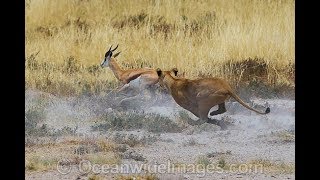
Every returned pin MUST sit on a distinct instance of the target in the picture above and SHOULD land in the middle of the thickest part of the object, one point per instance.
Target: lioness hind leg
(223, 124)
(194, 111)
(221, 109)
(215, 99)
(204, 109)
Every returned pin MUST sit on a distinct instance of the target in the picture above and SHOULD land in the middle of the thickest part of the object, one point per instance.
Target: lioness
(200, 95)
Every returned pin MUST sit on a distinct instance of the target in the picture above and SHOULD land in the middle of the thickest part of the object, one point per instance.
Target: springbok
(140, 77)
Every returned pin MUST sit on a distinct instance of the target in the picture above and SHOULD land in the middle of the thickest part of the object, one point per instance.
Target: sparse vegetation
(272, 167)
(39, 163)
(222, 163)
(46, 156)
(133, 121)
(286, 136)
(257, 166)
(95, 177)
(248, 42)
(37, 132)
(137, 177)
(133, 140)
(215, 154)
(103, 158)
(203, 160)
(133, 155)
(191, 142)
(35, 121)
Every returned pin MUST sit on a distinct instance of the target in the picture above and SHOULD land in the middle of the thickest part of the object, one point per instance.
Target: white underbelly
(136, 83)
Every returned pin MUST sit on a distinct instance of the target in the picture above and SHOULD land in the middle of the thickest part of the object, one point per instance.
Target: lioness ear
(116, 54)
(159, 72)
(175, 71)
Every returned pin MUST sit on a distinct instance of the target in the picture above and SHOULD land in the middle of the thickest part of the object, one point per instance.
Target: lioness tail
(237, 98)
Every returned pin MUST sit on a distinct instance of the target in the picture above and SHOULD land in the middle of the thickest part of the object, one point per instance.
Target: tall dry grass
(240, 40)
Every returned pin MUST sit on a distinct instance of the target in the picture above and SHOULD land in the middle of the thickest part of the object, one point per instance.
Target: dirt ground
(254, 147)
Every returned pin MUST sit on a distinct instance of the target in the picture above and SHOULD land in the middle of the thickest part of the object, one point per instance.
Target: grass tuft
(131, 121)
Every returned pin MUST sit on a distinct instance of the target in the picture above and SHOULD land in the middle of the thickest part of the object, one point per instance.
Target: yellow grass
(44, 157)
(200, 38)
(137, 177)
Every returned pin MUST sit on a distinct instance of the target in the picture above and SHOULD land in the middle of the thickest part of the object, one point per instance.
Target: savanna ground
(73, 113)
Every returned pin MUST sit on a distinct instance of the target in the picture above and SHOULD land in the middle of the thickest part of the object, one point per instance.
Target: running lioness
(200, 95)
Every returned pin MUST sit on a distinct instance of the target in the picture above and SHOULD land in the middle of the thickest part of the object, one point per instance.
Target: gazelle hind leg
(129, 102)
(124, 87)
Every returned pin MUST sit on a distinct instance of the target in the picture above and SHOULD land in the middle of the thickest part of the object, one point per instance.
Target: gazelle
(140, 77)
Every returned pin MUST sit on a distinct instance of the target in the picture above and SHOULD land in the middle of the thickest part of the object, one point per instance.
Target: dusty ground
(255, 147)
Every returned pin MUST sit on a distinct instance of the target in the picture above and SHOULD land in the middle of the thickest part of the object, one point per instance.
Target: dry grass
(241, 40)
(258, 166)
(44, 157)
(285, 136)
(137, 177)
(271, 167)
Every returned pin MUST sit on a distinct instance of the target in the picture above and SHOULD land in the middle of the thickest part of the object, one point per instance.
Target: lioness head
(174, 71)
(162, 74)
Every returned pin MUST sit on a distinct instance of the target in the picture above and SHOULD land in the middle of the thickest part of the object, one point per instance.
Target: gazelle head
(108, 55)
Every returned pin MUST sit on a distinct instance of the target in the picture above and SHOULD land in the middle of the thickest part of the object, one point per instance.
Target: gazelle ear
(159, 72)
(116, 54)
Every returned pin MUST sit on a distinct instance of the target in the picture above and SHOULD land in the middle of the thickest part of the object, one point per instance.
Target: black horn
(110, 48)
(115, 47)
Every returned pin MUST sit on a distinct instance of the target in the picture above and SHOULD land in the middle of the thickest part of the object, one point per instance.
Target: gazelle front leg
(135, 83)
(125, 86)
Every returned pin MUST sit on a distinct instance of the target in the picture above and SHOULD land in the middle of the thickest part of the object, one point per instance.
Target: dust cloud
(81, 112)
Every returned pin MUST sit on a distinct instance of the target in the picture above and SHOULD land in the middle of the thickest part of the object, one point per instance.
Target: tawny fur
(147, 75)
(200, 95)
